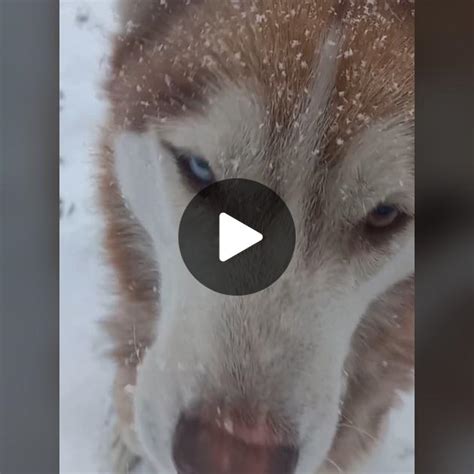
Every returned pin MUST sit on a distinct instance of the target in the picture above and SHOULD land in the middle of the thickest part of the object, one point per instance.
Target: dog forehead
(163, 72)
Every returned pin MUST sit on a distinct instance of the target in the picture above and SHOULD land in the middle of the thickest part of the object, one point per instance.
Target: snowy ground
(85, 374)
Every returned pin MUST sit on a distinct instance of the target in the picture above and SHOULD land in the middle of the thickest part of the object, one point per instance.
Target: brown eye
(383, 216)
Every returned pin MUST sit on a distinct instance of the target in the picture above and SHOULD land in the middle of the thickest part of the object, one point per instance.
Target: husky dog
(314, 99)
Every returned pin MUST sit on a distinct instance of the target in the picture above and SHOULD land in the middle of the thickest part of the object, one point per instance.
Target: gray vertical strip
(29, 330)
(444, 414)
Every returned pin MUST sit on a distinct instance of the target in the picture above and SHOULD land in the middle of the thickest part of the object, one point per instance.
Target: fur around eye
(385, 220)
(382, 222)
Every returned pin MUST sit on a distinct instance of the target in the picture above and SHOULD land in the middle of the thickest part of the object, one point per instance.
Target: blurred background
(444, 237)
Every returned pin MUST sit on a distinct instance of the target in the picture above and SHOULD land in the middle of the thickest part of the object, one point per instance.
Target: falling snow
(86, 375)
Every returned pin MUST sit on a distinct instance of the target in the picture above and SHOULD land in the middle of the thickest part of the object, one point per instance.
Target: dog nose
(226, 444)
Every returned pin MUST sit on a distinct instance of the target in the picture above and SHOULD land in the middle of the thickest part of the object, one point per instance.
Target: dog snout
(216, 441)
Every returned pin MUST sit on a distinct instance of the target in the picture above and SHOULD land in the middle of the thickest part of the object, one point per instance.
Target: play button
(236, 237)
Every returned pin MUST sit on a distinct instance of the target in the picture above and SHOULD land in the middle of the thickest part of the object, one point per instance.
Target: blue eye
(196, 169)
(200, 168)
(384, 210)
(382, 216)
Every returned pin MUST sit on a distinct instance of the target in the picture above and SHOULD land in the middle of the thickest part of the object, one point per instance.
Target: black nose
(204, 446)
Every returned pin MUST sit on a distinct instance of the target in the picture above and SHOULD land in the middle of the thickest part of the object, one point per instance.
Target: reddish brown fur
(163, 67)
(137, 277)
(174, 64)
(380, 365)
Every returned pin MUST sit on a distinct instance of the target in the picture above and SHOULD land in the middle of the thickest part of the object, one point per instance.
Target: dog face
(255, 382)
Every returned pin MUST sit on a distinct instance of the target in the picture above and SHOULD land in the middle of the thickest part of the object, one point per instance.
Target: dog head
(315, 100)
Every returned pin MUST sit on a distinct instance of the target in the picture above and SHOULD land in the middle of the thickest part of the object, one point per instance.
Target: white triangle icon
(235, 237)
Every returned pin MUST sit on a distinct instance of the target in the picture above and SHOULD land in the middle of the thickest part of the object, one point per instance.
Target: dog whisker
(359, 430)
(334, 464)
